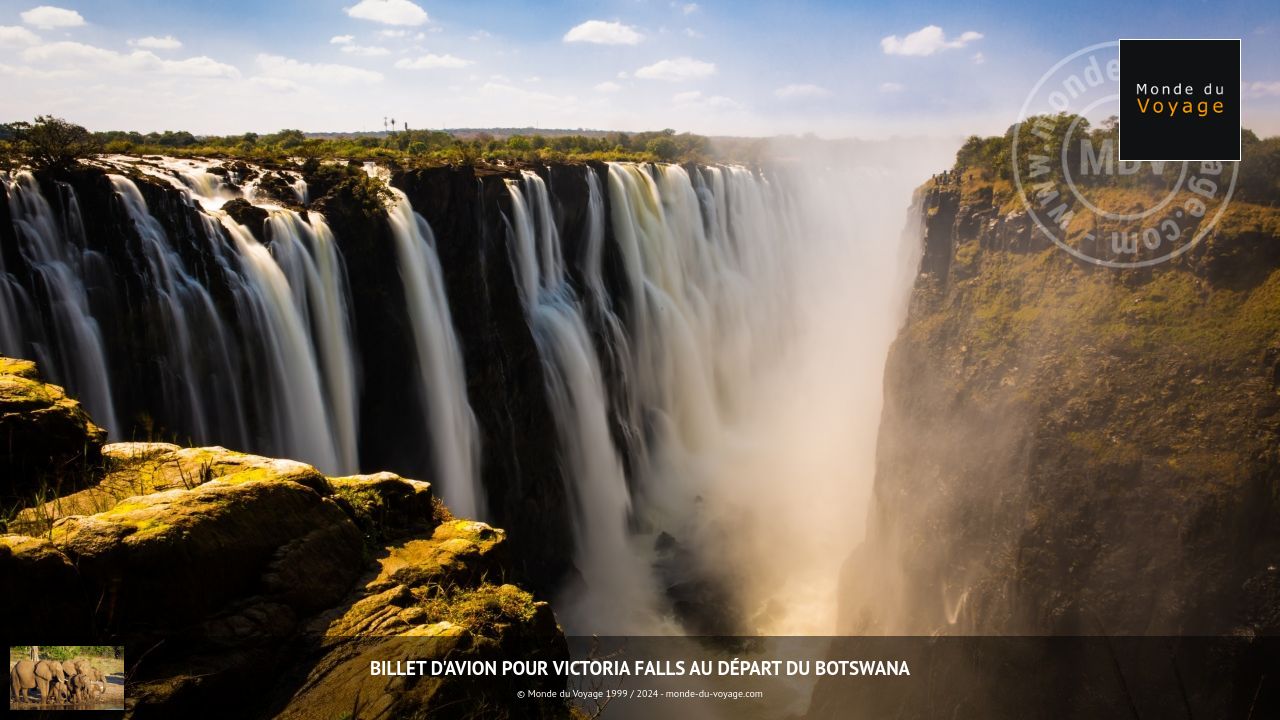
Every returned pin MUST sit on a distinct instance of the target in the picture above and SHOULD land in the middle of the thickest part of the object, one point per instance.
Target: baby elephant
(84, 681)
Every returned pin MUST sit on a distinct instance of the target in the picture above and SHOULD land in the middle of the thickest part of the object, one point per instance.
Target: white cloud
(800, 91)
(1259, 89)
(389, 12)
(168, 42)
(689, 8)
(520, 96)
(926, 41)
(431, 61)
(47, 17)
(341, 39)
(199, 66)
(393, 33)
(603, 32)
(365, 50)
(608, 86)
(69, 54)
(715, 102)
(979, 58)
(890, 88)
(479, 35)
(677, 70)
(78, 56)
(278, 66)
(14, 35)
(690, 32)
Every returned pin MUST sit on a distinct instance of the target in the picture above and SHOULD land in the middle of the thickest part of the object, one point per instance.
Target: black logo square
(1179, 100)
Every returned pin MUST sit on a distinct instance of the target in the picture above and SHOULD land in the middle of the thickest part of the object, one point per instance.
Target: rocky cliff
(253, 587)
(1069, 450)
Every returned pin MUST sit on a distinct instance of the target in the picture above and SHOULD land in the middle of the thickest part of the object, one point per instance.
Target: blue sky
(863, 69)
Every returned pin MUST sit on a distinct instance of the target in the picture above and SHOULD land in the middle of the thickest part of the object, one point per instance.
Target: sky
(837, 69)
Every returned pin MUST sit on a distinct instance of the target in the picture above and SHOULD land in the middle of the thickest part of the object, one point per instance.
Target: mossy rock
(188, 553)
(139, 468)
(385, 505)
(459, 552)
(48, 443)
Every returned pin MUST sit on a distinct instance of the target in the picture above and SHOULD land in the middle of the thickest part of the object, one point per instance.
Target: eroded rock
(47, 441)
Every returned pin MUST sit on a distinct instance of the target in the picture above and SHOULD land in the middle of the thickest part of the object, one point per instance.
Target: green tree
(54, 143)
(664, 148)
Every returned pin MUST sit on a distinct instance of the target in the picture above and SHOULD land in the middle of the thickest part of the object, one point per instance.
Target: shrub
(54, 143)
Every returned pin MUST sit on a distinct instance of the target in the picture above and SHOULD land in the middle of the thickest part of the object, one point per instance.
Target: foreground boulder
(48, 444)
(246, 586)
(62, 602)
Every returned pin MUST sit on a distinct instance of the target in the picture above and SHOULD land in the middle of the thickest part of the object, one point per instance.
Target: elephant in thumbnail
(45, 676)
(77, 681)
(85, 682)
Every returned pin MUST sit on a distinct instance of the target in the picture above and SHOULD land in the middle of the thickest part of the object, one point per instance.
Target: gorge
(664, 382)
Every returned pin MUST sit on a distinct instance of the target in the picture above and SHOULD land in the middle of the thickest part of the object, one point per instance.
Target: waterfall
(298, 407)
(760, 306)
(617, 593)
(56, 253)
(198, 374)
(712, 347)
(442, 384)
(309, 258)
(297, 299)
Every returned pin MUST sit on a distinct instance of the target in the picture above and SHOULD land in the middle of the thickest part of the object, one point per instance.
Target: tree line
(53, 142)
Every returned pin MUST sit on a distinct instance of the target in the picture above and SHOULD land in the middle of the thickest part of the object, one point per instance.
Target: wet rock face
(252, 217)
(505, 378)
(1072, 450)
(48, 444)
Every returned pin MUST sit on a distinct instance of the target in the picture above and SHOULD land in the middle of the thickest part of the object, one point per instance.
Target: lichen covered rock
(252, 586)
(47, 441)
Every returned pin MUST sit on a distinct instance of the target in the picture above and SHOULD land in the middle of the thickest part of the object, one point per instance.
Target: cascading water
(617, 591)
(309, 258)
(297, 297)
(761, 307)
(195, 381)
(441, 380)
(300, 421)
(55, 252)
(746, 343)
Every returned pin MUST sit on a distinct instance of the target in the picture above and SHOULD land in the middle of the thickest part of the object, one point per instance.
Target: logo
(1098, 208)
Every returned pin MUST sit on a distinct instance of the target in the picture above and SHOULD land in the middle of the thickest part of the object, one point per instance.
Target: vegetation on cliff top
(52, 142)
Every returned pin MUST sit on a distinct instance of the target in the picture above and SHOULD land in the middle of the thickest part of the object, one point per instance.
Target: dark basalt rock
(252, 217)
